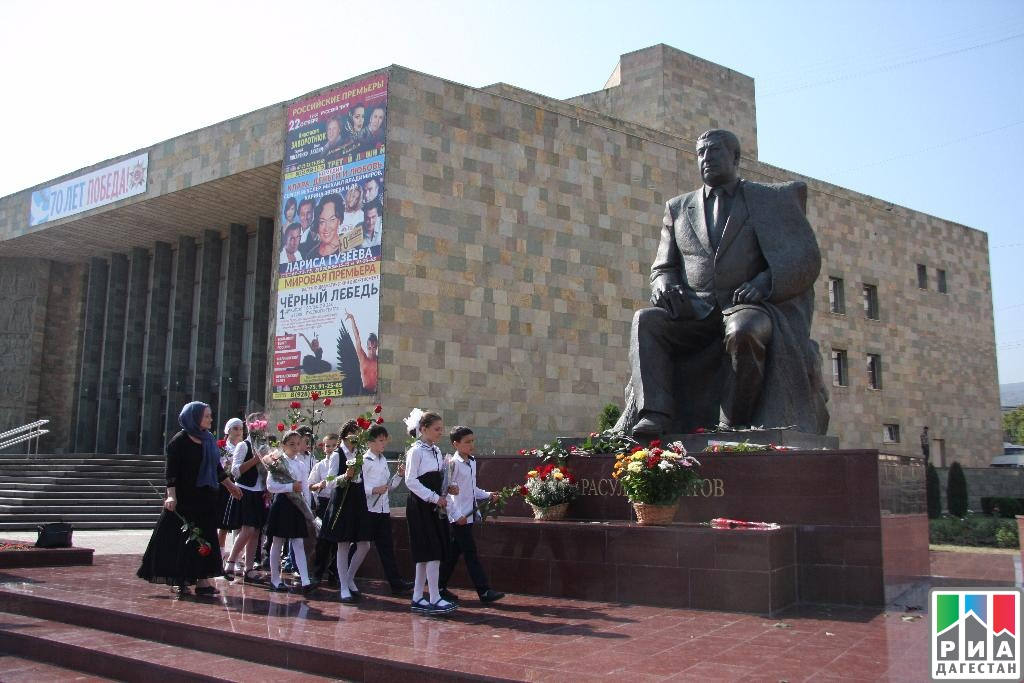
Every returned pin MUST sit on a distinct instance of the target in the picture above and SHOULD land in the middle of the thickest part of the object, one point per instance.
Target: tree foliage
(1013, 425)
(956, 491)
(609, 416)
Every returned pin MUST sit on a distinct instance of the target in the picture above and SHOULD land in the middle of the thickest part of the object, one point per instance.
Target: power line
(890, 67)
(930, 148)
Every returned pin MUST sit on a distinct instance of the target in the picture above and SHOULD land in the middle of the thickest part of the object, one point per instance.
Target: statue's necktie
(719, 215)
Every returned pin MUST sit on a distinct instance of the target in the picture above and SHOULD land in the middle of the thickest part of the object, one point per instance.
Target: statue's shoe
(647, 428)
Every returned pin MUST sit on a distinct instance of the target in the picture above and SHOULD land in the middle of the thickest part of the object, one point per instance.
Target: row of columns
(166, 326)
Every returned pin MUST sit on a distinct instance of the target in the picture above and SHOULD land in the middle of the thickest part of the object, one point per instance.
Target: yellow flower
(638, 456)
(620, 456)
(635, 466)
(558, 475)
(532, 473)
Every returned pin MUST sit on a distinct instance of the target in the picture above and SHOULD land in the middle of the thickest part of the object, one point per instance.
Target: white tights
(298, 556)
(427, 572)
(347, 572)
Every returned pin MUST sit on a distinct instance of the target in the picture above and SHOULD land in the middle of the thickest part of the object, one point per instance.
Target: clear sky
(918, 103)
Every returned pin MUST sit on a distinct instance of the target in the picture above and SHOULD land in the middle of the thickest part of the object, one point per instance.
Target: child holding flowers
(285, 522)
(428, 530)
(348, 520)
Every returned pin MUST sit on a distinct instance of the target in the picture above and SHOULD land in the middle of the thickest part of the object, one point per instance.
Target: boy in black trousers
(462, 512)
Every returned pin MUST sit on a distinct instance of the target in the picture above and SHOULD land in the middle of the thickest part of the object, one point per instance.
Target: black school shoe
(401, 588)
(449, 596)
(280, 588)
(420, 606)
(490, 596)
(440, 608)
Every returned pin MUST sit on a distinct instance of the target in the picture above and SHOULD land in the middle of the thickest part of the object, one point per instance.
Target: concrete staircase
(91, 491)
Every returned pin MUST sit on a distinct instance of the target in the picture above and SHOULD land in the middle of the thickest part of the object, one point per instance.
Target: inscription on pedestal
(708, 488)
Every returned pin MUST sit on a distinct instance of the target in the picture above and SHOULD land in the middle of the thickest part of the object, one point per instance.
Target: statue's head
(718, 157)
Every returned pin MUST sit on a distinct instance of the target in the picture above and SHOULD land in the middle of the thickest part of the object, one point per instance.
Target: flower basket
(554, 512)
(648, 514)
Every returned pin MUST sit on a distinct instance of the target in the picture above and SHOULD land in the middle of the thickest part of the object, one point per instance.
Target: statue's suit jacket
(768, 241)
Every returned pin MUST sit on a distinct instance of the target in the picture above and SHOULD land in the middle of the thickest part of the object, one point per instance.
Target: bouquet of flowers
(742, 447)
(724, 523)
(258, 434)
(549, 485)
(492, 508)
(655, 475)
(311, 417)
(608, 441)
(277, 466)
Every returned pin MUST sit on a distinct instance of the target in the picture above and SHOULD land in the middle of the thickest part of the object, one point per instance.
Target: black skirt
(353, 523)
(285, 520)
(230, 510)
(249, 510)
(169, 557)
(428, 531)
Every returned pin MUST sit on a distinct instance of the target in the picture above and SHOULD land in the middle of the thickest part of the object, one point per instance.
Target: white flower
(664, 465)
(350, 462)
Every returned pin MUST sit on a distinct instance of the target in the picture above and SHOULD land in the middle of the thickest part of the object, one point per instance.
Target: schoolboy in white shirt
(378, 482)
(462, 512)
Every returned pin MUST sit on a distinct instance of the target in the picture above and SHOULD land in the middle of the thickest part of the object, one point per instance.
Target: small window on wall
(836, 303)
(874, 368)
(891, 433)
(871, 302)
(922, 276)
(941, 275)
(839, 370)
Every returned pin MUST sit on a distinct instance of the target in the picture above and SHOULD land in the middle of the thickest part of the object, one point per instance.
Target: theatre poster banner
(331, 223)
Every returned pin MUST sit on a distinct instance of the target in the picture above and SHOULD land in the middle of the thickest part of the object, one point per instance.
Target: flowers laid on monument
(655, 475)
(549, 489)
(608, 441)
(742, 447)
(724, 523)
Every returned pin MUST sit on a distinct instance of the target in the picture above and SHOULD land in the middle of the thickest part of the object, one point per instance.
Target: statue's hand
(658, 291)
(747, 293)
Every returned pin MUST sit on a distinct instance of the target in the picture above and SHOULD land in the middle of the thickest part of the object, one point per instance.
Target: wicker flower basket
(550, 513)
(650, 515)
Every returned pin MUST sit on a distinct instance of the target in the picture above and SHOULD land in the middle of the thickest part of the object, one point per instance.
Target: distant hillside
(1011, 394)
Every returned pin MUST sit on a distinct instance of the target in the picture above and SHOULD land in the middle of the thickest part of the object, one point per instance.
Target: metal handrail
(33, 432)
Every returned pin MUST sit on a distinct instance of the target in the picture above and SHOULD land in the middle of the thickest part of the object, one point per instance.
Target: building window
(891, 433)
(942, 282)
(874, 368)
(871, 302)
(922, 276)
(839, 371)
(836, 303)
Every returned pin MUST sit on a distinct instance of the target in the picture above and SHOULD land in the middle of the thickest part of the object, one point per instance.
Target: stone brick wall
(693, 95)
(23, 294)
(59, 365)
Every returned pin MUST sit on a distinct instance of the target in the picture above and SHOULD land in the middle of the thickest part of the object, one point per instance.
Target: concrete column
(92, 346)
(154, 387)
(112, 355)
(205, 384)
(232, 401)
(264, 275)
(179, 337)
(134, 350)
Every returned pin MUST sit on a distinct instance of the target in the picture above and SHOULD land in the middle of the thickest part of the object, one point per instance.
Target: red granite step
(21, 670)
(127, 658)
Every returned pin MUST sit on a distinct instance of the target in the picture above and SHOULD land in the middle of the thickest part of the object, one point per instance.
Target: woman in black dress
(194, 475)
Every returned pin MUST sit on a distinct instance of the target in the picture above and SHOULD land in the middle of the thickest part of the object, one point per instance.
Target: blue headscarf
(189, 419)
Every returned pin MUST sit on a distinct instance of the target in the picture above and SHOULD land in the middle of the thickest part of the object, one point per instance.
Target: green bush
(1008, 507)
(974, 530)
(1007, 536)
(609, 416)
(931, 481)
(956, 491)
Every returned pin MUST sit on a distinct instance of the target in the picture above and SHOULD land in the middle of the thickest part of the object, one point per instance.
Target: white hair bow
(412, 423)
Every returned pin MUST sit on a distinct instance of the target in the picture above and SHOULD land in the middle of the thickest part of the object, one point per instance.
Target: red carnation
(699, 430)
(523, 491)
(222, 443)
(328, 401)
(362, 422)
(655, 443)
(522, 451)
(280, 426)
(294, 427)
(380, 420)
(295, 405)
(377, 408)
(204, 549)
(315, 395)
(637, 449)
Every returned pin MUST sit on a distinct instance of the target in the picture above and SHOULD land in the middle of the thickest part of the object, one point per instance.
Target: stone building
(520, 231)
